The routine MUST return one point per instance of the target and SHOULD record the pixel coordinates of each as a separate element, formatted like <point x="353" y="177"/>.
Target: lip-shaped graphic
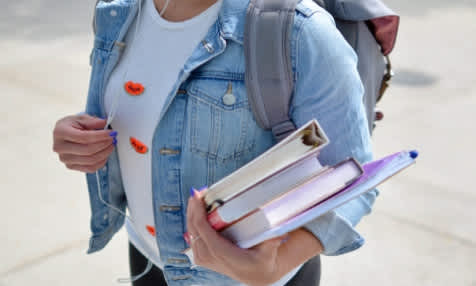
<point x="134" y="88"/>
<point x="138" y="146"/>
<point x="150" y="229"/>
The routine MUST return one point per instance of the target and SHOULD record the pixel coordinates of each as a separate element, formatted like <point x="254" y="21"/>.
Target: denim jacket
<point x="202" y="137"/>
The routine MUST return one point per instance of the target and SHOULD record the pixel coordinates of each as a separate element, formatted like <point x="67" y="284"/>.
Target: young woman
<point x="167" y="111"/>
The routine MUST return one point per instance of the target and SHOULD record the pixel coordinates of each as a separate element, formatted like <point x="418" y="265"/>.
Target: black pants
<point x="308" y="275"/>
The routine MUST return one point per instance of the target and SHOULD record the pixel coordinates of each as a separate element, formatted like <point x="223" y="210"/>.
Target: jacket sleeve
<point x="328" y="88"/>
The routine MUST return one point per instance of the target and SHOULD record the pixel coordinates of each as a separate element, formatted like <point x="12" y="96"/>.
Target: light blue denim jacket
<point x="201" y="138"/>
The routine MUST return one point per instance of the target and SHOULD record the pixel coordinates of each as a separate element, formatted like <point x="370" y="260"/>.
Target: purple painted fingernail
<point x="192" y="192"/>
<point x="113" y="134"/>
<point x="114" y="141"/>
<point x="203" y="188"/>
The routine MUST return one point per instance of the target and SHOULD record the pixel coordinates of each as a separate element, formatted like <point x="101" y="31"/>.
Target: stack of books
<point x="287" y="187"/>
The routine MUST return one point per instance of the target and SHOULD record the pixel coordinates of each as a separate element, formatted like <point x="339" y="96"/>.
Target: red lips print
<point x="138" y="146"/>
<point x="150" y="229"/>
<point x="134" y="88"/>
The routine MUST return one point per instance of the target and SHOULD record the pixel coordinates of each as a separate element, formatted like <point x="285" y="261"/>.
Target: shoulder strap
<point x="269" y="75"/>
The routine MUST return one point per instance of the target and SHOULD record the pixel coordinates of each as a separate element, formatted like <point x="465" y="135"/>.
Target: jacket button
<point x="113" y="13"/>
<point x="165" y="151"/>
<point x="208" y="47"/>
<point x="177" y="260"/>
<point x="229" y="99"/>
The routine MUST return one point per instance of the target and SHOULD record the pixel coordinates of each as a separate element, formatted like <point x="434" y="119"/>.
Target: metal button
<point x="229" y="99"/>
<point x="104" y="169"/>
<point x="177" y="260"/>
<point x="120" y="45"/>
<point x="165" y="151"/>
<point x="208" y="47"/>
<point x="113" y="13"/>
<point x="181" y="277"/>
<point x="105" y="217"/>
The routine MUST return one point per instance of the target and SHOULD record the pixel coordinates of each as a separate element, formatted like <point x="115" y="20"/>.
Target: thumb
<point x="88" y="122"/>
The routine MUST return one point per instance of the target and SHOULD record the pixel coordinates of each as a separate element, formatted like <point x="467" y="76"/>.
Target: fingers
<point x="197" y="223"/>
<point x="89" y="122"/>
<point x="88" y="160"/>
<point x="80" y="146"/>
<point x="87" y="168"/>
<point x="191" y="215"/>
<point x="83" y="149"/>
<point x="201" y="251"/>
<point x="80" y="129"/>
<point x="85" y="136"/>
<point x="213" y="251"/>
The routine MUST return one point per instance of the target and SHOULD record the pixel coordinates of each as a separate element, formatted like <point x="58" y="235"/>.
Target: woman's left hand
<point x="255" y="266"/>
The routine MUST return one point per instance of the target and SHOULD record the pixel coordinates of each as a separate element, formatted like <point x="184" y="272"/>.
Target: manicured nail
<point x="186" y="237"/>
<point x="192" y="192"/>
<point x="113" y="134"/>
<point x="114" y="141"/>
<point x="203" y="188"/>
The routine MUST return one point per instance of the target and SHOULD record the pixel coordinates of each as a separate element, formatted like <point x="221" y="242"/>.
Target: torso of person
<point x="137" y="88"/>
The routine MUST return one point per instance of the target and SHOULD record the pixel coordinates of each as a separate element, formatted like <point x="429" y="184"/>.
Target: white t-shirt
<point x="152" y="60"/>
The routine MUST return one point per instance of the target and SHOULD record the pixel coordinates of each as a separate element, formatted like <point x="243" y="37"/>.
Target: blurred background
<point x="423" y="227"/>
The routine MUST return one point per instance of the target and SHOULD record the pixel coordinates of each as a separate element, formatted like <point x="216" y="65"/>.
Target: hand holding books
<point x="257" y="266"/>
<point x="286" y="187"/>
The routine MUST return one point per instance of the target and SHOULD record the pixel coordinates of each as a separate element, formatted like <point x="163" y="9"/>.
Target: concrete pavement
<point x="422" y="230"/>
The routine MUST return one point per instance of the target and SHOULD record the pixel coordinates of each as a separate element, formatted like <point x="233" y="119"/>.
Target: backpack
<point x="367" y="25"/>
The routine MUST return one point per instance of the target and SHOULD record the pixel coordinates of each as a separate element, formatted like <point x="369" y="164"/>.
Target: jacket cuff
<point x="335" y="233"/>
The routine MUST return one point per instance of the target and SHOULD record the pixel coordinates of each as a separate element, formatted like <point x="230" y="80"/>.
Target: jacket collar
<point x="231" y="19"/>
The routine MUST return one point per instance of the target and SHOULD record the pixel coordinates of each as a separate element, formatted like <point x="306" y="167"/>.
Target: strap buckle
<point x="283" y="129"/>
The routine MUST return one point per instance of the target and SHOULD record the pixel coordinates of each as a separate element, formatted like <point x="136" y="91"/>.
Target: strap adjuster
<point x="283" y="129"/>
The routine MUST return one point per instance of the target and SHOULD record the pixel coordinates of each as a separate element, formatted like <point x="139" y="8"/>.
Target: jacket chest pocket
<point x="221" y="123"/>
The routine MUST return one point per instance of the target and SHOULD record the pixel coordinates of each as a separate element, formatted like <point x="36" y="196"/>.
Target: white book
<point x="260" y="194"/>
<point x="305" y="142"/>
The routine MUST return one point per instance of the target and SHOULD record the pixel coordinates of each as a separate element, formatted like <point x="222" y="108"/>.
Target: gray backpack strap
<point x="371" y="64"/>
<point x="269" y="75"/>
